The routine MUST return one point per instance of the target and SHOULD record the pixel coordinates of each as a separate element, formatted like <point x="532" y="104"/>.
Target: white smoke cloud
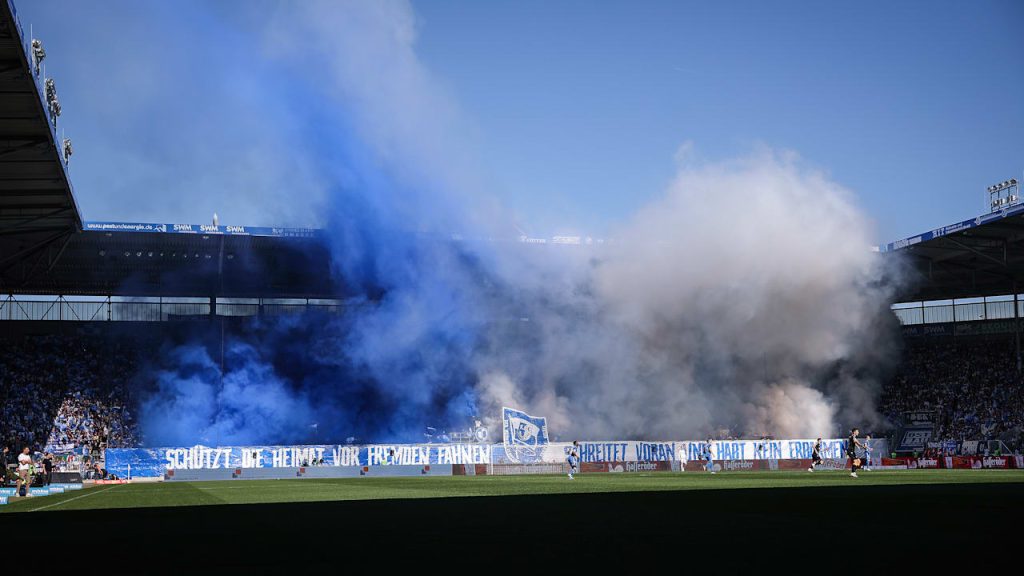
<point x="728" y="302"/>
<point x="790" y="408"/>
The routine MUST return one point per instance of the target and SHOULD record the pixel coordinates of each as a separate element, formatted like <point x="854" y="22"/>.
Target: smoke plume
<point x="745" y="300"/>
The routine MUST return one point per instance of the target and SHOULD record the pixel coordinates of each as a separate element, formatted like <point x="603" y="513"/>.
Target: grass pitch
<point x="173" y="494"/>
<point x="790" y="522"/>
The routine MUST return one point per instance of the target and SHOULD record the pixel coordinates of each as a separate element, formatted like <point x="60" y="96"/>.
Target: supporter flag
<point x="522" y="430"/>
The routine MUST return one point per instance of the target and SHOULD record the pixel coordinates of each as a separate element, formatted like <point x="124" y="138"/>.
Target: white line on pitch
<point x="73" y="499"/>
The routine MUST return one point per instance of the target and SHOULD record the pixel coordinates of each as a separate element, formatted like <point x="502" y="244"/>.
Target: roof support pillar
<point x="1016" y="325"/>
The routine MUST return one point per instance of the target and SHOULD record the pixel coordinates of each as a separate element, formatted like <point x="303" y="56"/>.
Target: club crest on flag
<point x="523" y="436"/>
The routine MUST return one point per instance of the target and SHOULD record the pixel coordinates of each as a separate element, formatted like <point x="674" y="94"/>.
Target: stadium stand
<point x="61" y="392"/>
<point x="59" y="388"/>
<point x="969" y="386"/>
<point x="73" y="388"/>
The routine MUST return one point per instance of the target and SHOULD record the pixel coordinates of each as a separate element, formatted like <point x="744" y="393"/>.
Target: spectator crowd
<point x="971" y="386"/>
<point x="64" y="392"/>
<point x="72" y="391"/>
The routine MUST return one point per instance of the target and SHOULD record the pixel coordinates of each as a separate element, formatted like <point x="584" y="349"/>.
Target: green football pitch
<point x="902" y="522"/>
<point x="173" y="494"/>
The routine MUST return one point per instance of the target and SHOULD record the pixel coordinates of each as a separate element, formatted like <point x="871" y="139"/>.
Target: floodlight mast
<point x="1000" y="197"/>
<point x="1003" y="195"/>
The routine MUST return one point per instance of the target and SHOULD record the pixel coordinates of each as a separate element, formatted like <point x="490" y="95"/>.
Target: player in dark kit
<point x="851" y="450"/>
<point x="815" y="455"/>
<point x="710" y="463"/>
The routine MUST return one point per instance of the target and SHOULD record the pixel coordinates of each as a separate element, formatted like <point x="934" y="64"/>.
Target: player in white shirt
<point x="683" y="457"/>
<point x="868" y="460"/>
<point x="574" y="458"/>
<point x="24" y="469"/>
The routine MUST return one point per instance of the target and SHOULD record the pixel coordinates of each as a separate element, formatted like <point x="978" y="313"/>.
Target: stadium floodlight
<point x="1003" y="185"/>
<point x="38" y="54"/>
<point x="68" y="151"/>
<point x="54" y="107"/>
<point x="51" y="99"/>
<point x="1003" y="194"/>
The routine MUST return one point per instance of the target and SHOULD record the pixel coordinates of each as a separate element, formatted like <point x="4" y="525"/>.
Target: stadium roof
<point x="139" y="259"/>
<point x="38" y="213"/>
<point x="983" y="256"/>
<point x="45" y="248"/>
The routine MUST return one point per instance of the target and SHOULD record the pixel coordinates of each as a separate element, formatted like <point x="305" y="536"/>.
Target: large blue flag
<point x="522" y="430"/>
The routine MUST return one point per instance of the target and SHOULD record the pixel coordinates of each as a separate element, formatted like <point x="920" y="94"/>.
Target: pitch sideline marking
<point x="75" y="498"/>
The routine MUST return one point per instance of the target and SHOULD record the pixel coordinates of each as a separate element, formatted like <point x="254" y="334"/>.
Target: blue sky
<point x="569" y="112"/>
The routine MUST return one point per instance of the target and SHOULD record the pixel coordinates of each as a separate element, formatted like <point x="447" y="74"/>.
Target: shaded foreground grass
<point x="773" y="521"/>
<point x="321" y="490"/>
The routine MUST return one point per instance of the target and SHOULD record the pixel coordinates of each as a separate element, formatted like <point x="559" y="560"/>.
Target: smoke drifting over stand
<point x="745" y="299"/>
<point x="704" y="314"/>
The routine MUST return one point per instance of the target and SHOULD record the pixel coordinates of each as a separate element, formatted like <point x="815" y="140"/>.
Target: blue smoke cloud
<point x="316" y="377"/>
<point x="196" y="401"/>
<point x="312" y="114"/>
<point x="400" y="357"/>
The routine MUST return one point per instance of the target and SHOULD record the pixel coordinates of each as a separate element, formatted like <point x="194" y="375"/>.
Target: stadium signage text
<point x="765" y="450"/>
<point x="200" y="229"/>
<point x="953" y="228"/>
<point x="150" y="462"/>
<point x="197" y="457"/>
<point x="154" y="462"/>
